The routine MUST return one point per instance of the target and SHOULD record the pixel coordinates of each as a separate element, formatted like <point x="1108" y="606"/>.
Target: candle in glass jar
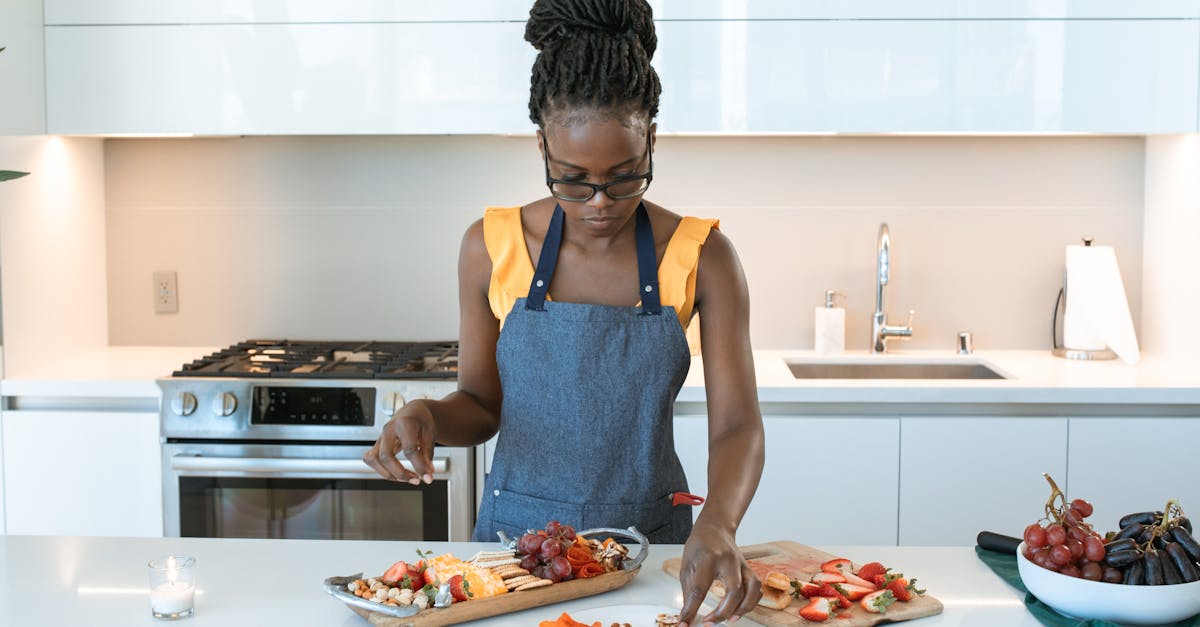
<point x="172" y="587"/>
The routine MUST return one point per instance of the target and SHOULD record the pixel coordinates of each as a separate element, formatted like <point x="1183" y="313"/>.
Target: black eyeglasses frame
<point x="551" y="181"/>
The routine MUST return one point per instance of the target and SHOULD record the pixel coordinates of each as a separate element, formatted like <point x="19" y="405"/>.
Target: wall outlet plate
<point x="166" y="292"/>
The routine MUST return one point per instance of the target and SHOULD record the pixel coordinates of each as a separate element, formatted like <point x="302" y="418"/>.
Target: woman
<point x="562" y="360"/>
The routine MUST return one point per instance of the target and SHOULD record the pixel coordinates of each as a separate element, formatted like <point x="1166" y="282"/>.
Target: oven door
<point x="310" y="491"/>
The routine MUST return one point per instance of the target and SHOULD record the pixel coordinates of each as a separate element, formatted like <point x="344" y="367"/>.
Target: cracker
<point x="497" y="562"/>
<point x="519" y="581"/>
<point x="508" y="572"/>
<point x="487" y="555"/>
<point x="534" y="584"/>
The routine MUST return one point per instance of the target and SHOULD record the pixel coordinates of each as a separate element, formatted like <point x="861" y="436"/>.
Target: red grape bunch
<point x="1063" y="542"/>
<point x="543" y="552"/>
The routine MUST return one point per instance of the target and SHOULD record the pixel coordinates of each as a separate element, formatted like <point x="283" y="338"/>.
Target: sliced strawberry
<point x="842" y="566"/>
<point x="831" y="591"/>
<point x="818" y="609"/>
<point x="869" y="571"/>
<point x="877" y="602"/>
<point x="824" y="577"/>
<point x="903" y="589"/>
<point x="852" y="591"/>
<point x="459" y="588"/>
<point x="805" y="589"/>
<point x="836" y="565"/>
<point x="430" y="577"/>
<point x="396" y="572"/>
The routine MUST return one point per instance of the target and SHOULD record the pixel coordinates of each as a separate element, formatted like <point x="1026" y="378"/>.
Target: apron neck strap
<point x="647" y="266"/>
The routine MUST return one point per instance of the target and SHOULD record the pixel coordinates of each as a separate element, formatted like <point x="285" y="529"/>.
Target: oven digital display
<point x="354" y="407"/>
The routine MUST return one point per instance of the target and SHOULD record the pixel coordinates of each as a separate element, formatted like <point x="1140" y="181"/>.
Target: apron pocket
<point x="516" y="513"/>
<point x="652" y="518"/>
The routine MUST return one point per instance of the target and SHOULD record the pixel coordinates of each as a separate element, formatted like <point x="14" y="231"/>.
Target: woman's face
<point x="597" y="151"/>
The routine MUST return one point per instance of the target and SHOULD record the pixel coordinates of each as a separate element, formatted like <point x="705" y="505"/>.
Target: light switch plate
<point x="166" y="292"/>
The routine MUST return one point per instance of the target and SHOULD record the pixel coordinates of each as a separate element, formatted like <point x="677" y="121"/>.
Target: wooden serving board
<point x="802" y="562"/>
<point x="504" y="603"/>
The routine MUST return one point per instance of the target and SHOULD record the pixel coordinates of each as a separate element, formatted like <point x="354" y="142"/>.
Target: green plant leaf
<point x="8" y="175"/>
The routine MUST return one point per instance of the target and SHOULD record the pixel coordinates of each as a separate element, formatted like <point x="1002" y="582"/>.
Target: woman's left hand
<point x="710" y="555"/>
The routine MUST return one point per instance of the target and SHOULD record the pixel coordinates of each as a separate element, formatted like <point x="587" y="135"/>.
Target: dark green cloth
<point x="1005" y="566"/>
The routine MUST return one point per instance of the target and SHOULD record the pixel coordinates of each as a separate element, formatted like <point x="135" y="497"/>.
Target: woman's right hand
<point x="410" y="432"/>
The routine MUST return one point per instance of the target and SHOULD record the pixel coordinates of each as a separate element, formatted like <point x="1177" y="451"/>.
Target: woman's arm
<point x="735" y="436"/>
<point x="468" y="416"/>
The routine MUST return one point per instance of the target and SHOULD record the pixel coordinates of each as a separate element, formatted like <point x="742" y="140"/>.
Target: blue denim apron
<point x="586" y="423"/>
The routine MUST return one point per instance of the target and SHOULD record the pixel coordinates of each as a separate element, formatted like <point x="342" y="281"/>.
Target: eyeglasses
<point x="617" y="189"/>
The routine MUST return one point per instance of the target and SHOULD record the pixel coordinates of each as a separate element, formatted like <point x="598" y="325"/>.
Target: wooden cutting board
<point x="504" y="603"/>
<point x="802" y="562"/>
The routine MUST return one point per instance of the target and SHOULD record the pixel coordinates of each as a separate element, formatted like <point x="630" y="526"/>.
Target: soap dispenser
<point x="830" y="329"/>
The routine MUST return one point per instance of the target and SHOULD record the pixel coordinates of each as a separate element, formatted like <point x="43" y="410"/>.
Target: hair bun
<point x="552" y="20"/>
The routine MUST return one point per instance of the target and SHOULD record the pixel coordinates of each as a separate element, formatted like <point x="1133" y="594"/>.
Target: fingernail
<point x="733" y="619"/>
<point x="428" y="478"/>
<point x="414" y="481"/>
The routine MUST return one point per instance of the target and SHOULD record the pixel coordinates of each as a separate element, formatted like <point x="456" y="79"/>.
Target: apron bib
<point x="586" y="432"/>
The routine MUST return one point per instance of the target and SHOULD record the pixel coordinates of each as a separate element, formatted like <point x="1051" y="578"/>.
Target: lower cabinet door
<point x="828" y="480"/>
<point x="1131" y="464"/>
<point x="960" y="475"/>
<point x="82" y="473"/>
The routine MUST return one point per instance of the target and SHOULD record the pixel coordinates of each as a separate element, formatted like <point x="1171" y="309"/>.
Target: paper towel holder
<point x="1057" y="346"/>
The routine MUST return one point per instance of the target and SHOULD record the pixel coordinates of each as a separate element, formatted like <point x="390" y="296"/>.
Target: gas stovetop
<point x="288" y="359"/>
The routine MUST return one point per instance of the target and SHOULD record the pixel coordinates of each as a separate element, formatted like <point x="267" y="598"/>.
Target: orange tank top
<point x="512" y="268"/>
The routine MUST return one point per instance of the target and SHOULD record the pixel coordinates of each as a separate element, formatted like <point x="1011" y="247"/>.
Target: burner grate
<point x="328" y="360"/>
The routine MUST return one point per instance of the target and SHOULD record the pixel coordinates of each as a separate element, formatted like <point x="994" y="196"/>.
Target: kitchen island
<point x="51" y="580"/>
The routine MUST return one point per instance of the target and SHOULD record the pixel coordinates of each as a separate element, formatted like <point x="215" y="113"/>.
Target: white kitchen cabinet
<point x="3" y="524"/>
<point x="827" y="479"/>
<point x="272" y="11"/>
<point x="726" y="74"/>
<point x="82" y="473"/>
<point x="257" y="11"/>
<point x="267" y="79"/>
<point x="863" y="76"/>
<point x="22" y="70"/>
<point x="1131" y="464"/>
<point x="960" y="475"/>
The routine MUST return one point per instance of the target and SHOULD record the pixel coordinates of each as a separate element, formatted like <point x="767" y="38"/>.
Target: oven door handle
<point x="288" y="465"/>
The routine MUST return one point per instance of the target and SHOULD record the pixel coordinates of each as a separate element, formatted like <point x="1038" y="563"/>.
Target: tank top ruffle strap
<point x="513" y="270"/>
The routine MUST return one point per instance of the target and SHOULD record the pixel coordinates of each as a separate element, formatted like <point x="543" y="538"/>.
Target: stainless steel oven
<point x="261" y="451"/>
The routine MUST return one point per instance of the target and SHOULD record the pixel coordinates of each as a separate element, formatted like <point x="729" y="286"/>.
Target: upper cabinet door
<point x="74" y="12"/>
<point x="250" y="67"/>
<point x="22" y="66"/>
<point x="879" y="76"/>
<point x="277" y="79"/>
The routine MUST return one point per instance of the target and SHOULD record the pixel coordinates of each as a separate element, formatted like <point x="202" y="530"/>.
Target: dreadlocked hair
<point x="593" y="55"/>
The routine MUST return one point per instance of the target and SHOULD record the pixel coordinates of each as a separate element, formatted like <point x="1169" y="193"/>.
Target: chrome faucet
<point x="880" y="330"/>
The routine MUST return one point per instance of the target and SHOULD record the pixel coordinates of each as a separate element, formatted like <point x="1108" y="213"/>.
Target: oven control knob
<point x="224" y="404"/>
<point x="391" y="402"/>
<point x="183" y="404"/>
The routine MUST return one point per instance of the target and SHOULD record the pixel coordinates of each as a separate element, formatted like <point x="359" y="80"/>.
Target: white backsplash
<point x="357" y="237"/>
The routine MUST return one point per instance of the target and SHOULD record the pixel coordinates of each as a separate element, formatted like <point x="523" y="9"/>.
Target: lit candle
<point x="172" y="587"/>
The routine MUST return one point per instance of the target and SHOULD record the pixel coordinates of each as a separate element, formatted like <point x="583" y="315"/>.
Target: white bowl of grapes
<point x="1145" y="573"/>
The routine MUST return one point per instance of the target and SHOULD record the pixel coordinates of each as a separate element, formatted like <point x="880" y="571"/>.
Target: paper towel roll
<point x="1097" y="314"/>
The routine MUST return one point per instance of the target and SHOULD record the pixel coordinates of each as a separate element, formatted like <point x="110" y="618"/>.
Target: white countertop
<point x="116" y="371"/>
<point x="1034" y="377"/>
<point x="103" y="581"/>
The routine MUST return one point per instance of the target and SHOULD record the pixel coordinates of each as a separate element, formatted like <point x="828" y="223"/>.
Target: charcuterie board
<point x="798" y="561"/>
<point x="385" y="616"/>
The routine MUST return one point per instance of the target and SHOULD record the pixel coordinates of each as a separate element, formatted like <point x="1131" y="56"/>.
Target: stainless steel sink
<point x="891" y="370"/>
